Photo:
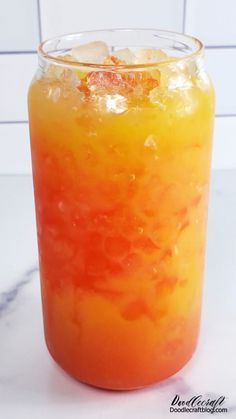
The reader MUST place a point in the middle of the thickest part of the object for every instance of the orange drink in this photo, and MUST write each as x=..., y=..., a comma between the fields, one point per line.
x=121, y=146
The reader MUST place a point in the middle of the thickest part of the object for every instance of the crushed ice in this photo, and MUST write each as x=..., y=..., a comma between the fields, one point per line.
x=54, y=93
x=150, y=142
x=113, y=103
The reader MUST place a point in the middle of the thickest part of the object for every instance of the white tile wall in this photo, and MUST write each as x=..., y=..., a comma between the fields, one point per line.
x=221, y=65
x=16, y=72
x=14, y=149
x=224, y=150
x=60, y=16
x=21, y=25
x=213, y=21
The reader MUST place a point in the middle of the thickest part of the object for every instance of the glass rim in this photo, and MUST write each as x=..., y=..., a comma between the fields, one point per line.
x=165, y=34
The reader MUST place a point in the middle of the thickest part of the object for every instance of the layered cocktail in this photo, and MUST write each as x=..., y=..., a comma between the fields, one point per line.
x=121, y=145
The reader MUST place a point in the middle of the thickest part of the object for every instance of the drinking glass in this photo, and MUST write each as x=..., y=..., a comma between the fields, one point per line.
x=121, y=160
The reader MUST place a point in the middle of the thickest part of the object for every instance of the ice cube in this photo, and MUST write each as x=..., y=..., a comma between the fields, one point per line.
x=93, y=52
x=150, y=55
x=125, y=55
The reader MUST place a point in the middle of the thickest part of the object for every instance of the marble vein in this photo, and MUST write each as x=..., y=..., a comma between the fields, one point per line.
x=9, y=296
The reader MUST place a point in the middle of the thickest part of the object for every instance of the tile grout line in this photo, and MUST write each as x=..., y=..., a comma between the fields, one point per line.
x=39, y=20
x=12, y=174
x=226, y=115
x=220, y=46
x=13, y=122
x=18, y=52
x=184, y=16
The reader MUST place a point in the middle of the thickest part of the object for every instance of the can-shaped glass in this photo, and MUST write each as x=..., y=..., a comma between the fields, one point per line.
x=121, y=161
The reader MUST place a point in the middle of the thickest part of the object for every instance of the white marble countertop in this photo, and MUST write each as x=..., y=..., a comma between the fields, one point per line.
x=31, y=384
